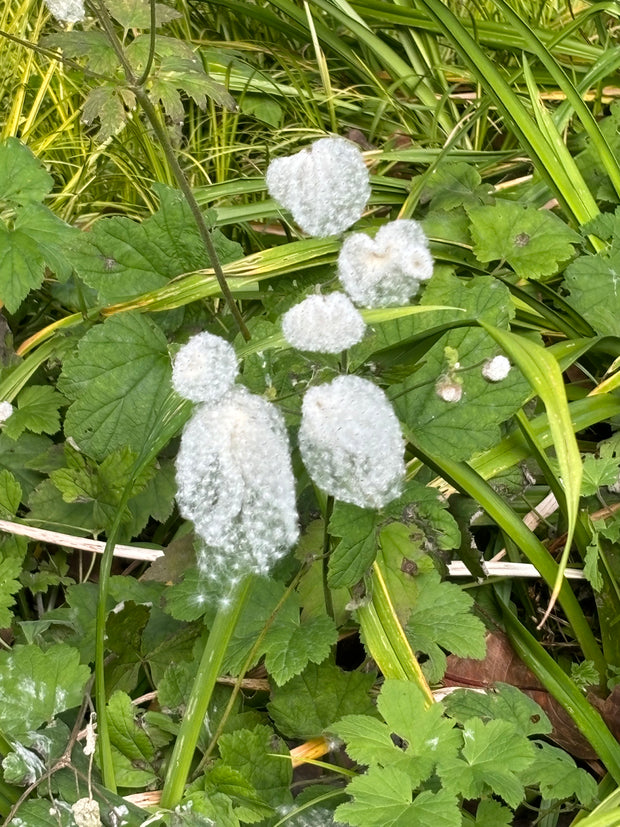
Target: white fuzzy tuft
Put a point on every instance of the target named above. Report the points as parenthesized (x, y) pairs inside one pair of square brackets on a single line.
[(325, 324), (86, 813), (351, 442), (205, 368), (388, 269), (235, 482), (325, 186), (6, 409), (67, 11), (496, 369), (449, 389)]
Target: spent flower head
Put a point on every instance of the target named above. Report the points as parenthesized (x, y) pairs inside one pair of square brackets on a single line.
[(236, 484), (325, 186), (205, 368), (351, 442), (496, 369), (325, 324), (449, 388), (388, 269), (67, 11)]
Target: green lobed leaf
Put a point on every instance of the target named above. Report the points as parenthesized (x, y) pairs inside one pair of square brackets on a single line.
[(472, 424), (122, 258), (492, 814), (355, 553), (382, 798), (10, 495), (22, 266), (38, 812), (118, 379), (453, 185), (535, 243), (254, 753), (442, 617), (137, 13), (94, 46), (111, 106), (493, 757), (505, 703), (52, 236), (10, 569), (289, 648), (593, 283), (23, 179), (427, 737), (557, 776), (311, 702), (36, 685), (37, 411)]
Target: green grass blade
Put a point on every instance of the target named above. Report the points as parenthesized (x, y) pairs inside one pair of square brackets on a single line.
[(557, 682), (465, 479), (607, 158), (542, 371), (516, 116)]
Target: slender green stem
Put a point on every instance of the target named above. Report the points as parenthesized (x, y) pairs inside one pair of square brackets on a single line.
[(205, 232), (149, 61), (174, 413), (202, 690), (180, 177)]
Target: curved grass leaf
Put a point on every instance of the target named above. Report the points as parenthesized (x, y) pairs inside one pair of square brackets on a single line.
[(542, 371)]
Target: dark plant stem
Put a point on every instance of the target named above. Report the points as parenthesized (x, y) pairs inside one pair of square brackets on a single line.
[(149, 60), (136, 86)]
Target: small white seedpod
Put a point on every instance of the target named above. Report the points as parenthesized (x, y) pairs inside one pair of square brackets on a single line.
[(496, 369), (351, 442), (325, 186), (323, 324), (387, 269), (449, 389), (6, 409), (86, 813), (205, 368)]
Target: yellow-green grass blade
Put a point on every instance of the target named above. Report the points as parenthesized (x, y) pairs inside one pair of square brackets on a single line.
[(542, 371)]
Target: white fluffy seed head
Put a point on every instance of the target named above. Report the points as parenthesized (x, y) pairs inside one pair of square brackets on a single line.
[(325, 324), (205, 368), (67, 11), (351, 442), (496, 369), (449, 389), (6, 409), (388, 269), (325, 186), (236, 484), (86, 813)]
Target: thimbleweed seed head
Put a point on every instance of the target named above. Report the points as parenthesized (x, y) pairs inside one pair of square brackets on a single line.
[(205, 368), (496, 369), (6, 409), (236, 484), (67, 11), (388, 269), (325, 324), (449, 388), (351, 442), (86, 813), (325, 186)]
